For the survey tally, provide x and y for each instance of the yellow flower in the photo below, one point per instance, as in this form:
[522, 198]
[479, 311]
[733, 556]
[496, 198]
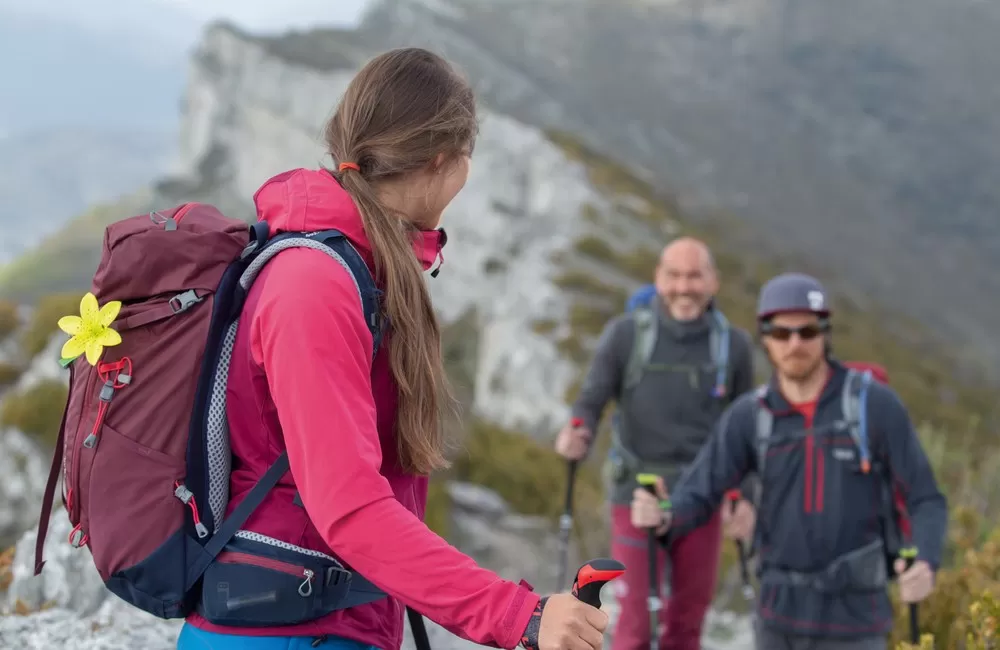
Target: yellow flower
[91, 331]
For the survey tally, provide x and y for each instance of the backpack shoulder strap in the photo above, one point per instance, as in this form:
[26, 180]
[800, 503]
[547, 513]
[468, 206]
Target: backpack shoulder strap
[719, 349]
[764, 423]
[363, 280]
[764, 426]
[338, 247]
[335, 245]
[643, 343]
[854, 406]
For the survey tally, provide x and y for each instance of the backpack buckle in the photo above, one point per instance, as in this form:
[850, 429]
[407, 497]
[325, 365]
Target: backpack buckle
[184, 301]
[249, 250]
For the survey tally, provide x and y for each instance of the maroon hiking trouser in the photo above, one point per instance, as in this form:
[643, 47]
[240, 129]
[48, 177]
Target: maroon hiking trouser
[694, 563]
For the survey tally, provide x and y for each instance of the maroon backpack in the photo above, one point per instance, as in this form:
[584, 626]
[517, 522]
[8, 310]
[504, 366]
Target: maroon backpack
[143, 449]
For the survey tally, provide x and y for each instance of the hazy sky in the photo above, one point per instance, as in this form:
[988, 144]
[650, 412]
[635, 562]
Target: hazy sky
[114, 62]
[171, 15]
[271, 14]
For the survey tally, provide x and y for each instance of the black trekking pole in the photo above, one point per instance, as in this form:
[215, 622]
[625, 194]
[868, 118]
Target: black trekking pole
[566, 519]
[733, 497]
[592, 576]
[909, 556]
[648, 481]
[566, 524]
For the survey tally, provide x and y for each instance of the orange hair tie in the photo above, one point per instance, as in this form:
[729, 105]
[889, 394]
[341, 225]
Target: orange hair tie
[349, 165]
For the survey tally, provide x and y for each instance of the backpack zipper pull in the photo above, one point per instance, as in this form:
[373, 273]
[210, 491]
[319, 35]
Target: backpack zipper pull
[107, 392]
[185, 496]
[306, 588]
[78, 538]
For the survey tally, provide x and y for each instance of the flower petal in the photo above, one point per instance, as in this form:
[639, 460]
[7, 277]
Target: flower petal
[89, 309]
[108, 337]
[71, 324]
[73, 348]
[94, 351]
[109, 312]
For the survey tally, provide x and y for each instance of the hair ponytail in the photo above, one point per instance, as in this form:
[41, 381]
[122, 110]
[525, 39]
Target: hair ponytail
[401, 112]
[415, 350]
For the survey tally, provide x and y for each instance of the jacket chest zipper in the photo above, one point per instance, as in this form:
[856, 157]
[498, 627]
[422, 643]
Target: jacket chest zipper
[814, 474]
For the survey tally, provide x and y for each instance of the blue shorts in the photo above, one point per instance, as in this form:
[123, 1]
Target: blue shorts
[194, 639]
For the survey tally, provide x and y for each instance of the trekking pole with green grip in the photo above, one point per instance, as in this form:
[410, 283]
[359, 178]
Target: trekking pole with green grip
[909, 555]
[648, 481]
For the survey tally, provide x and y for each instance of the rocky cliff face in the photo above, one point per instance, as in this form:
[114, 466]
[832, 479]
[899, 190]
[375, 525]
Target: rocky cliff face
[251, 113]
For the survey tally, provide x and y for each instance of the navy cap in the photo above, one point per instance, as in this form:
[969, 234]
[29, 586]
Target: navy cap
[790, 292]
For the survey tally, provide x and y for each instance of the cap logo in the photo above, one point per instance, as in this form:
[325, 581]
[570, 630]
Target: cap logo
[815, 299]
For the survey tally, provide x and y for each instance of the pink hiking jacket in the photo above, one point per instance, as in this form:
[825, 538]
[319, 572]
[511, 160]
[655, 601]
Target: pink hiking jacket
[302, 379]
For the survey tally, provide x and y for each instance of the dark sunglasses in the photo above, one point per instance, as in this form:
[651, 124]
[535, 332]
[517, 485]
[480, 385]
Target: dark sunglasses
[805, 332]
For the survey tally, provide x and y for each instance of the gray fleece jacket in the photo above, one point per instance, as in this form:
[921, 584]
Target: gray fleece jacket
[667, 417]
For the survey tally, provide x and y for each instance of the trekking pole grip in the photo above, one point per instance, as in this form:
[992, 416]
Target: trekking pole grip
[733, 497]
[592, 577]
[648, 482]
[909, 556]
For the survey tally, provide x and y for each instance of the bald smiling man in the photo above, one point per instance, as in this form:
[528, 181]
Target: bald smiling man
[668, 399]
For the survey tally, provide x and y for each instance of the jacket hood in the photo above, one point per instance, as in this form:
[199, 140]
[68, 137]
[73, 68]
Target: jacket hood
[309, 200]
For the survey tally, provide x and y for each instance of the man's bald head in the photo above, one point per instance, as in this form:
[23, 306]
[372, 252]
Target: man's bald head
[686, 278]
[688, 249]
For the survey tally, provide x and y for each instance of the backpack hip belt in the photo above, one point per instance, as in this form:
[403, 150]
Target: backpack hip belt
[624, 463]
[860, 570]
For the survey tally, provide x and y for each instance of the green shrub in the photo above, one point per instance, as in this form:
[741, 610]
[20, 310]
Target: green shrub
[66, 259]
[9, 374]
[587, 285]
[9, 319]
[962, 612]
[544, 326]
[437, 515]
[43, 323]
[529, 475]
[37, 411]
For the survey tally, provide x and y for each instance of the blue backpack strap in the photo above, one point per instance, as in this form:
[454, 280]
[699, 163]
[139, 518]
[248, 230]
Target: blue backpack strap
[719, 341]
[355, 264]
[854, 405]
[351, 260]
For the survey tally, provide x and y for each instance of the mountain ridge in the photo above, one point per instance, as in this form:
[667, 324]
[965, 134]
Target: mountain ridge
[862, 133]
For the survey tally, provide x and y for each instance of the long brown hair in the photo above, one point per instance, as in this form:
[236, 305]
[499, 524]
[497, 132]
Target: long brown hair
[402, 110]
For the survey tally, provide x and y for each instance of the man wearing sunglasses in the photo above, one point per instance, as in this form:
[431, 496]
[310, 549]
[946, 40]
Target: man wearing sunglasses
[825, 532]
[672, 371]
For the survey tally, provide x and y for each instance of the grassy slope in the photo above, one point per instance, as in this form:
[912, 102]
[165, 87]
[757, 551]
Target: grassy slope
[66, 260]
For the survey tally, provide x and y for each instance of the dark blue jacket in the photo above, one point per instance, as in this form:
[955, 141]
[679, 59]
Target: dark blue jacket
[817, 505]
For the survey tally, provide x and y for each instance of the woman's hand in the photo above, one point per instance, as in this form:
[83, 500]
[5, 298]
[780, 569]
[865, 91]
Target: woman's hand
[568, 623]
